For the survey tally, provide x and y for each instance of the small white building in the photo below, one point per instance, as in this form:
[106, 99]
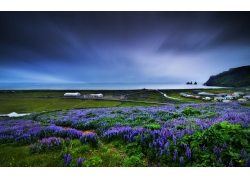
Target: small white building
[96, 95]
[235, 95]
[72, 94]
[242, 100]
[228, 97]
[183, 94]
[207, 98]
[93, 95]
[218, 98]
[247, 96]
[206, 94]
[240, 93]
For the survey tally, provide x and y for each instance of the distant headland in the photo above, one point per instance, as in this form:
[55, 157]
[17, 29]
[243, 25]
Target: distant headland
[234, 77]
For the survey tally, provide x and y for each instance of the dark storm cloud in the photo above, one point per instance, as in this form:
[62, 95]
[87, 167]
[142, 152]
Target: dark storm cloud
[119, 46]
[204, 31]
[33, 33]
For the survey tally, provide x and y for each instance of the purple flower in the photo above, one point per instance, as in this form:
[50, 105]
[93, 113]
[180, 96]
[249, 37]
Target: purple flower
[204, 148]
[224, 145]
[219, 160]
[181, 160]
[67, 159]
[174, 139]
[230, 164]
[175, 155]
[80, 161]
[243, 153]
[168, 151]
[166, 145]
[188, 153]
[217, 151]
[248, 162]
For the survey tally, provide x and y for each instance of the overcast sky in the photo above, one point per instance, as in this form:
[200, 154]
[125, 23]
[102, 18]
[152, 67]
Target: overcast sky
[121, 47]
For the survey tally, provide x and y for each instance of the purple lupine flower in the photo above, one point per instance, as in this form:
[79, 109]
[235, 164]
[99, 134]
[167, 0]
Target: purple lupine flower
[204, 148]
[230, 164]
[168, 151]
[248, 162]
[174, 139]
[67, 159]
[243, 153]
[166, 145]
[181, 160]
[161, 152]
[217, 151]
[224, 145]
[188, 153]
[185, 146]
[80, 161]
[219, 160]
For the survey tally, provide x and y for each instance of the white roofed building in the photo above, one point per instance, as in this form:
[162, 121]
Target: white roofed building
[240, 93]
[96, 95]
[72, 94]
[93, 95]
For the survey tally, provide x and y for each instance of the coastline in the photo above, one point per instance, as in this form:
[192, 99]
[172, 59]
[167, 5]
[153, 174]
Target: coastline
[102, 86]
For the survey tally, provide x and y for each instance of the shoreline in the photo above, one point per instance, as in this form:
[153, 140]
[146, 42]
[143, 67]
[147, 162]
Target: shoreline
[179, 89]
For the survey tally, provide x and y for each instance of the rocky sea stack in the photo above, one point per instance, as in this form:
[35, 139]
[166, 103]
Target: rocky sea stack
[235, 77]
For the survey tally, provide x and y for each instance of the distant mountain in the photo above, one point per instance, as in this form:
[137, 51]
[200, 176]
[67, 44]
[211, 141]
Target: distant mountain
[235, 77]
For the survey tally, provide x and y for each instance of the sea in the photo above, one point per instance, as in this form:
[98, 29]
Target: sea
[98, 86]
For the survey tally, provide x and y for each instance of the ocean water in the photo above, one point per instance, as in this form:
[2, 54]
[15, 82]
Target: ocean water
[97, 86]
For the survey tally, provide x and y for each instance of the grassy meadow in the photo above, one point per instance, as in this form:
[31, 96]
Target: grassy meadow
[71, 132]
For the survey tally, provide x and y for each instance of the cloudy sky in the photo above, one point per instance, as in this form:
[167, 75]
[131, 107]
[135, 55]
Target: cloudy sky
[121, 47]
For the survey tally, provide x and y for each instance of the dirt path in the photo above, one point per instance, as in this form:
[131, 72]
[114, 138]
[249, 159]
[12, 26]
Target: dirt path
[83, 132]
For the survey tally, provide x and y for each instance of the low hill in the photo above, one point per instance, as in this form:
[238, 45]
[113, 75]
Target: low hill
[235, 77]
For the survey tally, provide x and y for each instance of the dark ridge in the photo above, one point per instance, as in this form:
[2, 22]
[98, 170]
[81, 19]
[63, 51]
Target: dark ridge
[234, 77]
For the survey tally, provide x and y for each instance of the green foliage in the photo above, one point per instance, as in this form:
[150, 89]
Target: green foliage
[119, 111]
[136, 111]
[177, 107]
[44, 124]
[133, 161]
[233, 136]
[162, 113]
[134, 149]
[190, 111]
[166, 117]
[90, 115]
[210, 115]
[180, 127]
[94, 161]
[153, 126]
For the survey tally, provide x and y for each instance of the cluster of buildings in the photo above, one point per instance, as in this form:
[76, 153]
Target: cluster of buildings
[72, 94]
[223, 97]
[76, 94]
[93, 95]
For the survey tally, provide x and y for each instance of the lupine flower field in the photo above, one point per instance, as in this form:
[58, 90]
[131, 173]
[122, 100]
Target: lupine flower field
[187, 135]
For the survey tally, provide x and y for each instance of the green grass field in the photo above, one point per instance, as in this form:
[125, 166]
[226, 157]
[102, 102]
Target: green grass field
[28, 101]
[109, 154]
[22, 105]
